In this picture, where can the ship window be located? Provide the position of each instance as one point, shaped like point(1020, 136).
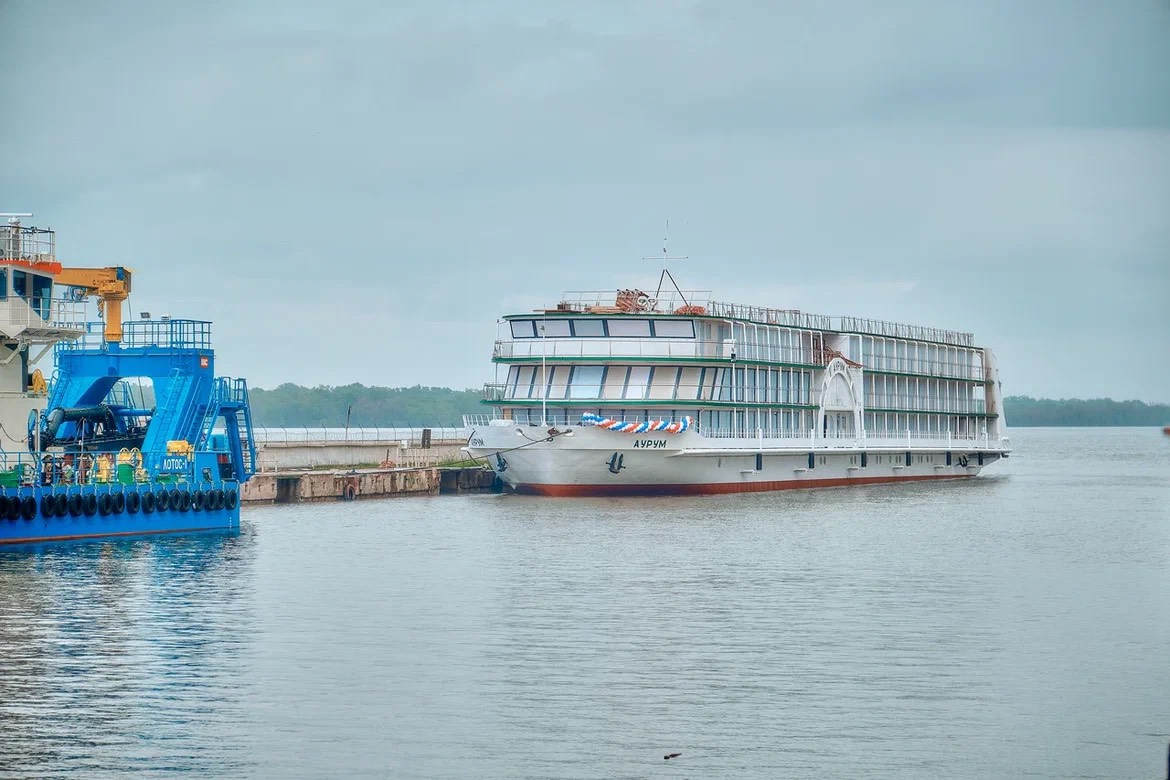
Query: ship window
point(665, 379)
point(523, 329)
point(3, 283)
point(589, 328)
point(688, 383)
point(558, 381)
point(684, 329)
point(586, 382)
point(615, 381)
point(20, 283)
point(553, 328)
point(42, 292)
point(636, 384)
point(629, 328)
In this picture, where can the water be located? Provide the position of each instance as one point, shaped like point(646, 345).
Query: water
point(1011, 626)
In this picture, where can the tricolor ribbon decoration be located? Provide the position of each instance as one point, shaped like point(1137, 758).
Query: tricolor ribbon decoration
point(649, 426)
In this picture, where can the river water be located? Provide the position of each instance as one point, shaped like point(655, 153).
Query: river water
point(1016, 625)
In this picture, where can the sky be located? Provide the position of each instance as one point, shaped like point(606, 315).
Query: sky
point(356, 191)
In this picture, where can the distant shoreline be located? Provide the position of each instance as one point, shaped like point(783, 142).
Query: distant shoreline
point(1025, 412)
point(359, 405)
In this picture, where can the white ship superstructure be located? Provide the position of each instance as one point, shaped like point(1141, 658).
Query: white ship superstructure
point(630, 394)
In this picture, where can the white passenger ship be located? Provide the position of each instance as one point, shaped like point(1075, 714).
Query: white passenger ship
point(632, 394)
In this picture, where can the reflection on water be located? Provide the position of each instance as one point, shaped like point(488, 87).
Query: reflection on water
point(123, 655)
point(1008, 626)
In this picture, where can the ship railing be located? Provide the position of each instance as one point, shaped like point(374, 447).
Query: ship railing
point(669, 393)
point(636, 347)
point(762, 314)
point(172, 333)
point(765, 438)
point(901, 331)
point(31, 314)
point(25, 242)
point(918, 403)
point(632, 301)
point(494, 391)
point(397, 436)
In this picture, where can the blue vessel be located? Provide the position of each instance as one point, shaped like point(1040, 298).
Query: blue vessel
point(134, 434)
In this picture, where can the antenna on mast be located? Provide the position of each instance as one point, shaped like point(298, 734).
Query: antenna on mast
point(665, 271)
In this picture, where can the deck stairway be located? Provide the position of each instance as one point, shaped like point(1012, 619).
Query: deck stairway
point(229, 400)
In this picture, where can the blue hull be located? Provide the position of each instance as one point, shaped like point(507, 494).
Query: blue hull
point(91, 523)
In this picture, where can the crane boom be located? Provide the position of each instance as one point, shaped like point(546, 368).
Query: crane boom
point(111, 286)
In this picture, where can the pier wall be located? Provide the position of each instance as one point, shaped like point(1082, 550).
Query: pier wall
point(289, 455)
point(290, 487)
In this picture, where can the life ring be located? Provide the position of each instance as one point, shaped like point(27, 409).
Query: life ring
point(133, 502)
point(75, 505)
point(119, 503)
point(350, 493)
point(28, 508)
point(60, 504)
point(231, 498)
point(147, 502)
point(89, 504)
point(162, 500)
point(105, 504)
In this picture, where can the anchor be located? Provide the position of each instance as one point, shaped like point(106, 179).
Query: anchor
point(615, 463)
point(501, 464)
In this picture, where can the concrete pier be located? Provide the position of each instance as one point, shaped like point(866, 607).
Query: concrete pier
point(289, 487)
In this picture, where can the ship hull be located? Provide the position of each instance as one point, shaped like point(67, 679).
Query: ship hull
point(592, 462)
point(41, 527)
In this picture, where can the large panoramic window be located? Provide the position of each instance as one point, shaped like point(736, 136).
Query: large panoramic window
point(629, 328)
point(552, 329)
point(3, 283)
point(674, 329)
point(586, 382)
point(589, 328)
point(523, 329)
point(20, 283)
point(637, 382)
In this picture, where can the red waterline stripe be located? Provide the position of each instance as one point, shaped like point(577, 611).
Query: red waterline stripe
point(709, 488)
point(35, 539)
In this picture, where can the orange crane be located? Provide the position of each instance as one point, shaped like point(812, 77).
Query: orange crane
point(111, 286)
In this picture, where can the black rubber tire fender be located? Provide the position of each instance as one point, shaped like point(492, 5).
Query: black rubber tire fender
point(89, 504)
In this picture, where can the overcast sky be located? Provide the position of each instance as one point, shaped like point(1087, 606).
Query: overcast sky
point(354, 192)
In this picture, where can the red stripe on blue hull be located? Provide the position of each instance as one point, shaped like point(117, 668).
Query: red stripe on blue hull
point(709, 488)
point(75, 537)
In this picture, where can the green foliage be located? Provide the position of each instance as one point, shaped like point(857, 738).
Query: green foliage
point(1023, 411)
point(293, 405)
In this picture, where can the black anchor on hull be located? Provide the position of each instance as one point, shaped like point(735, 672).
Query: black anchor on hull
point(501, 464)
point(615, 463)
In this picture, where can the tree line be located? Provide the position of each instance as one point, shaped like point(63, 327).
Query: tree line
point(295, 406)
point(1024, 411)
